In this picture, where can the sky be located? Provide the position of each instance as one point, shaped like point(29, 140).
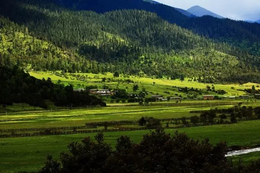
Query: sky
point(233, 9)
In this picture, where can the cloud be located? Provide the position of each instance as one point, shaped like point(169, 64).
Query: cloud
point(234, 9)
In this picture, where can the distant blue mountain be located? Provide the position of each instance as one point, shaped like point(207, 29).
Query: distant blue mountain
point(200, 11)
point(251, 21)
point(184, 12)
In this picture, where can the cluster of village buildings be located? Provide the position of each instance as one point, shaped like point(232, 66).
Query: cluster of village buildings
point(107, 92)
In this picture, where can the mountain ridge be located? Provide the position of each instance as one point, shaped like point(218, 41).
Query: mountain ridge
point(102, 6)
point(185, 12)
point(239, 34)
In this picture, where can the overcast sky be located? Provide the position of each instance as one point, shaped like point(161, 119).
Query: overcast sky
point(234, 9)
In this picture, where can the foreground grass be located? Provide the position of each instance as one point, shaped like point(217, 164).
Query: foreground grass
point(30, 153)
point(246, 159)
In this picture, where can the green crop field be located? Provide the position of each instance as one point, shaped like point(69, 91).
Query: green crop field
point(114, 112)
point(29, 153)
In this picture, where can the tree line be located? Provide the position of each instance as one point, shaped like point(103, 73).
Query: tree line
point(19, 87)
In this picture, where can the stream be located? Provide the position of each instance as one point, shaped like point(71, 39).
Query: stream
point(241, 152)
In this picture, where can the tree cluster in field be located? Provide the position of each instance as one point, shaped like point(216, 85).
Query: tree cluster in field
point(253, 90)
point(19, 87)
point(149, 122)
point(157, 152)
point(238, 113)
point(124, 41)
point(194, 92)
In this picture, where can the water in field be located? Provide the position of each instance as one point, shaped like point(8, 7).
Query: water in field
point(241, 152)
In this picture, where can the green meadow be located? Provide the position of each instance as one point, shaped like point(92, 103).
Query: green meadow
point(29, 153)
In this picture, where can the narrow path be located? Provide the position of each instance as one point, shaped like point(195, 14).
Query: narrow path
point(242, 152)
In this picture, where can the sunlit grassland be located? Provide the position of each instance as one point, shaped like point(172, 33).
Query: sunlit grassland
point(161, 85)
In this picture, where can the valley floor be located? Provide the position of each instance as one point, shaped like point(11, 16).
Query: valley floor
point(19, 152)
point(29, 153)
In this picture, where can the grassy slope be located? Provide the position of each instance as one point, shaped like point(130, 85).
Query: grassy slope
point(26, 48)
point(29, 153)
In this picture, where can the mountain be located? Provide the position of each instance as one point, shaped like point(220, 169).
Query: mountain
point(250, 21)
point(184, 12)
point(243, 35)
point(200, 11)
point(125, 41)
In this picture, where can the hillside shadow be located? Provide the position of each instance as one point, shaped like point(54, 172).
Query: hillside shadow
point(18, 13)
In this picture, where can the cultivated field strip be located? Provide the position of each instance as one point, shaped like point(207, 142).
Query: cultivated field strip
point(170, 110)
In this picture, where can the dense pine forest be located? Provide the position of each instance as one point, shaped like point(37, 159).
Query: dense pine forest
point(40, 35)
point(237, 33)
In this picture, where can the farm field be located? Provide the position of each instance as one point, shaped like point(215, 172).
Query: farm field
point(29, 153)
point(113, 112)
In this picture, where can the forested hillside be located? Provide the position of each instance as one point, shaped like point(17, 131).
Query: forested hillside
point(243, 35)
point(48, 37)
point(19, 47)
